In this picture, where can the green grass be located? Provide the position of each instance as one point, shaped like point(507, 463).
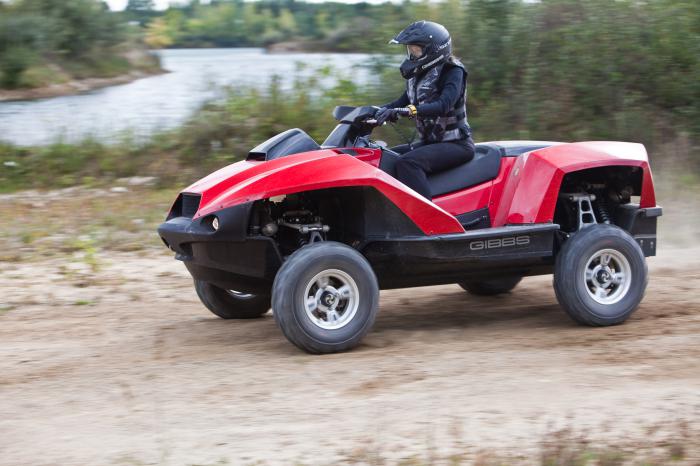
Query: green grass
point(82, 302)
point(81, 223)
point(559, 448)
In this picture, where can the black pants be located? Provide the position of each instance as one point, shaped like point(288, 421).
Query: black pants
point(425, 159)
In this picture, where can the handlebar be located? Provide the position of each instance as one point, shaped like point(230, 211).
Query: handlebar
point(402, 112)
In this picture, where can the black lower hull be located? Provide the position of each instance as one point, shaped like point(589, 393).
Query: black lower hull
point(433, 260)
point(251, 263)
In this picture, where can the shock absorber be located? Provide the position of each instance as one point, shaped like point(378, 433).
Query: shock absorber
point(602, 208)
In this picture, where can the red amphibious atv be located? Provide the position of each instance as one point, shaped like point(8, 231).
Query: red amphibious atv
point(316, 231)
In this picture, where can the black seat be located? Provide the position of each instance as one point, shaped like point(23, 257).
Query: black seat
point(516, 148)
point(483, 167)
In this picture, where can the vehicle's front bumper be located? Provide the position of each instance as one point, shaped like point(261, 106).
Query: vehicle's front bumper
point(228, 257)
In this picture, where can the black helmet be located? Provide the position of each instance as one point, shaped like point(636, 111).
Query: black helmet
point(435, 43)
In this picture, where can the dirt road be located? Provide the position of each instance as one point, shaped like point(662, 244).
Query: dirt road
point(115, 362)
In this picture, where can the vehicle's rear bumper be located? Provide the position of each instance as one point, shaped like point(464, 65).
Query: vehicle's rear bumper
point(641, 224)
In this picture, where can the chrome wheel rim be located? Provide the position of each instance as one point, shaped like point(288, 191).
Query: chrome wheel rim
point(607, 276)
point(331, 299)
point(239, 295)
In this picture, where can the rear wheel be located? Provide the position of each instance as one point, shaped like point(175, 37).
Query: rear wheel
point(600, 276)
point(491, 287)
point(325, 297)
point(230, 304)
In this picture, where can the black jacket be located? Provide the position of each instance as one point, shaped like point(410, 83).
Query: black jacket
point(452, 86)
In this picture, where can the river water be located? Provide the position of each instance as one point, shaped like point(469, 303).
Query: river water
point(163, 101)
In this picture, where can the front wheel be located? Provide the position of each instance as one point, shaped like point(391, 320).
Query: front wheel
point(600, 276)
point(230, 304)
point(325, 297)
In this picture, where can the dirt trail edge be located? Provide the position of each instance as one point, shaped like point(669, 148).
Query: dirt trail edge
point(116, 362)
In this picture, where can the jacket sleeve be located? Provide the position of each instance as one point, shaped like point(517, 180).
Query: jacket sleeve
point(451, 89)
point(398, 103)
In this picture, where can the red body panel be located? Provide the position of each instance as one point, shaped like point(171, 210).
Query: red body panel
point(525, 190)
point(322, 169)
point(530, 193)
point(499, 183)
point(468, 200)
point(370, 156)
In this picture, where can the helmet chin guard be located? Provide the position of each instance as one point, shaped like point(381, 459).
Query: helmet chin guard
point(435, 41)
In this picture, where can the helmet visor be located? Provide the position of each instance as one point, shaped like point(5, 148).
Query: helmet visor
point(414, 52)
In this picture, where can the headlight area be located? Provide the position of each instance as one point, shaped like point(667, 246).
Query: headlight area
point(219, 247)
point(212, 222)
point(229, 224)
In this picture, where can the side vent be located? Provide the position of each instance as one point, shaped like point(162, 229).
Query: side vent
point(186, 205)
point(190, 204)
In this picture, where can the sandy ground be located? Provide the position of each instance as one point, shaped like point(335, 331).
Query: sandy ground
point(121, 365)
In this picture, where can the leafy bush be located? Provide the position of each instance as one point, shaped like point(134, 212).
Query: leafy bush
point(74, 38)
point(13, 62)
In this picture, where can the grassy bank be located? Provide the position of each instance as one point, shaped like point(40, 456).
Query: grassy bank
point(220, 132)
point(79, 223)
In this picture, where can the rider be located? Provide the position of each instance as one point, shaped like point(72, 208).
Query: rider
point(436, 97)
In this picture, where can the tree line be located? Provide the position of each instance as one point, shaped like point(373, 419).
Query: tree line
point(563, 67)
point(46, 41)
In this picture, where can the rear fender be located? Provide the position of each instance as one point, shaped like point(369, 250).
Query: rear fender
point(531, 191)
point(319, 170)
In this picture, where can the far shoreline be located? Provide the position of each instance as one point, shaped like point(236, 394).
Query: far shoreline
point(82, 86)
point(75, 86)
